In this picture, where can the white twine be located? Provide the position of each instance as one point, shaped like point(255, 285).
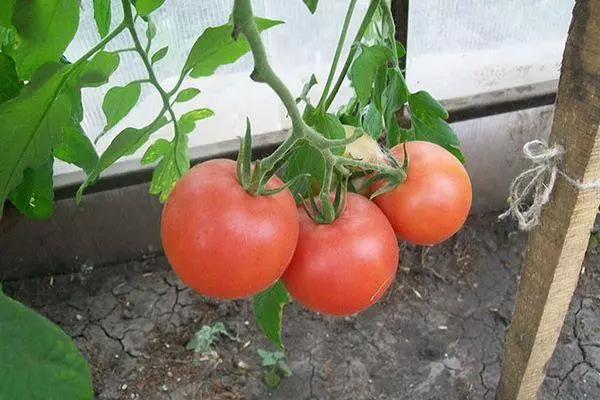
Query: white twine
point(538, 181)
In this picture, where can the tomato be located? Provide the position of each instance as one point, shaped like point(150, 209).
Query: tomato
point(343, 267)
point(223, 242)
point(434, 201)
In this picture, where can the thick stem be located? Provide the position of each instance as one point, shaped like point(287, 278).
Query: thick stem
point(338, 52)
point(359, 34)
point(128, 20)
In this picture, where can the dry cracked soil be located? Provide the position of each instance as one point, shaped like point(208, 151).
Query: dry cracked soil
point(437, 334)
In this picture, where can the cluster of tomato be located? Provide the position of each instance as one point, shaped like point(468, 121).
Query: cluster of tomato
point(225, 243)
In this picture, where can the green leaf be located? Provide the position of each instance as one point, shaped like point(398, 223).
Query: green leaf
point(102, 16)
point(216, 47)
point(311, 5)
point(6, 12)
point(364, 69)
point(306, 88)
point(145, 7)
point(119, 101)
point(187, 122)
point(427, 123)
point(372, 121)
point(150, 31)
point(395, 95)
point(186, 95)
point(268, 311)
point(125, 143)
point(97, 72)
point(159, 55)
point(173, 165)
point(272, 379)
point(400, 50)
point(76, 148)
point(348, 113)
point(31, 125)
point(45, 29)
point(39, 361)
point(34, 195)
point(329, 126)
point(379, 87)
point(10, 84)
point(285, 368)
point(306, 159)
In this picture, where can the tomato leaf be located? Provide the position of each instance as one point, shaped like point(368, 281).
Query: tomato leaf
point(306, 88)
point(174, 162)
point(97, 72)
point(159, 55)
point(76, 148)
point(31, 125)
point(216, 47)
point(6, 12)
point(306, 159)
point(34, 195)
point(187, 122)
point(45, 29)
point(119, 101)
point(395, 95)
point(102, 16)
point(427, 123)
point(10, 84)
point(311, 5)
point(186, 95)
point(35, 350)
point(329, 126)
point(372, 121)
point(150, 31)
point(379, 87)
point(268, 311)
point(364, 69)
point(145, 7)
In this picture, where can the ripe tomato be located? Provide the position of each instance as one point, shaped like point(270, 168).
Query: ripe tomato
point(343, 267)
point(434, 201)
point(222, 241)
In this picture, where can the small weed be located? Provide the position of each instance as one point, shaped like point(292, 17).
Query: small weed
point(204, 339)
point(277, 367)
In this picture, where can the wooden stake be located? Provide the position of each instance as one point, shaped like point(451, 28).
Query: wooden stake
point(557, 246)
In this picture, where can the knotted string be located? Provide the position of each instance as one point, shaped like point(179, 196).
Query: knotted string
point(538, 181)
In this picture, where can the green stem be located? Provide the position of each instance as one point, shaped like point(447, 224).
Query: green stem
point(338, 52)
point(128, 20)
point(359, 34)
point(387, 14)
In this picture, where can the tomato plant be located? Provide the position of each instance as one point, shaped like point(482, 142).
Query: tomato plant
point(230, 229)
point(433, 202)
point(343, 267)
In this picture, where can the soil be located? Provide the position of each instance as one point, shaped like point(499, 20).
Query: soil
point(437, 334)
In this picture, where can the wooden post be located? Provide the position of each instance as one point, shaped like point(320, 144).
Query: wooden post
point(557, 246)
point(400, 14)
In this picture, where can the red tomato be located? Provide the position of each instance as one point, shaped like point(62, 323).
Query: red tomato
point(343, 267)
point(222, 241)
point(434, 201)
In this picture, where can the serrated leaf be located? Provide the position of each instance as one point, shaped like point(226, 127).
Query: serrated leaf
point(329, 126)
point(35, 350)
point(31, 125)
point(10, 84)
point(186, 95)
point(98, 70)
point(145, 7)
point(311, 5)
point(119, 101)
point(35, 194)
point(364, 69)
point(372, 121)
point(187, 122)
point(173, 165)
point(159, 55)
point(45, 29)
point(102, 16)
point(125, 143)
point(306, 159)
point(76, 148)
point(306, 88)
point(268, 311)
point(427, 123)
point(6, 12)
point(216, 47)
